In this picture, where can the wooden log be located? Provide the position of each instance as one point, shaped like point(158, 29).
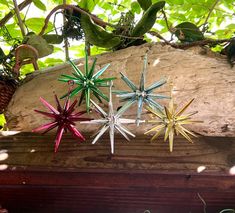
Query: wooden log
point(140, 176)
point(207, 78)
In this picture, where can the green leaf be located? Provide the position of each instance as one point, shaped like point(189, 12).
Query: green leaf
point(2, 121)
point(53, 38)
point(188, 32)
point(36, 24)
point(53, 61)
point(105, 5)
point(135, 7)
point(174, 2)
point(148, 19)
point(13, 30)
point(58, 49)
point(41, 64)
point(58, 1)
point(9, 4)
point(88, 4)
point(97, 50)
point(39, 4)
point(217, 48)
point(230, 26)
point(98, 36)
point(145, 4)
point(26, 69)
point(2, 55)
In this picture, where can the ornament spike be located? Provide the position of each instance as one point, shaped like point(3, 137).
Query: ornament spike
point(58, 137)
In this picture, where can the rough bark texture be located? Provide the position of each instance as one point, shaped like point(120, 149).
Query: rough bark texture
point(194, 74)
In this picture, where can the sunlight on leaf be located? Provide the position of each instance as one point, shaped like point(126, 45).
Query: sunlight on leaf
point(40, 5)
point(36, 24)
point(2, 121)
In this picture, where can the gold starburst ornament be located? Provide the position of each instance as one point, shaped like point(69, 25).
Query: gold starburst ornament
point(171, 122)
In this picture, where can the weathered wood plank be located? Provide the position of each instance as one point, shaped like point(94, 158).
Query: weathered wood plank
point(30, 151)
point(95, 200)
point(140, 176)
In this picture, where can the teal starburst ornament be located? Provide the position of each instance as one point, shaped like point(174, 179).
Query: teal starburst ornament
point(141, 94)
point(87, 82)
point(111, 121)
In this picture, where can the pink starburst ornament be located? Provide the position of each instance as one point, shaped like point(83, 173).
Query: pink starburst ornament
point(63, 118)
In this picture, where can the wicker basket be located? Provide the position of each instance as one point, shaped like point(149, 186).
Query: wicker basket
point(7, 89)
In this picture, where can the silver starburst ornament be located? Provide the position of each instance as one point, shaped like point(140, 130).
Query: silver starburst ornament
point(111, 121)
point(140, 94)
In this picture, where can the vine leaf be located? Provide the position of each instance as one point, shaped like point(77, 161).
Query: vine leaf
point(88, 4)
point(96, 35)
point(148, 19)
point(135, 7)
point(40, 5)
point(188, 32)
point(145, 4)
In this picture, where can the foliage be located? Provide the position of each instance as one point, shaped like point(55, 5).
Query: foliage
point(2, 121)
point(202, 18)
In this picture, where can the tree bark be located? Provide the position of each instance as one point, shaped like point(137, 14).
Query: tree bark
point(194, 73)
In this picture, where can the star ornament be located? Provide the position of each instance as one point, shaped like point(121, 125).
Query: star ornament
point(63, 118)
point(141, 94)
point(87, 82)
point(171, 122)
point(111, 121)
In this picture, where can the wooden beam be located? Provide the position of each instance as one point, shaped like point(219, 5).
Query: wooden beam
point(140, 176)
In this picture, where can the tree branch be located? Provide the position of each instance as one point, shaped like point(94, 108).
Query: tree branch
point(156, 34)
point(66, 6)
point(167, 24)
point(200, 43)
point(191, 44)
point(208, 16)
point(17, 11)
point(11, 14)
point(66, 43)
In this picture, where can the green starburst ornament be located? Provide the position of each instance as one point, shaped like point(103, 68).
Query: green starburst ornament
point(171, 122)
point(141, 94)
point(87, 82)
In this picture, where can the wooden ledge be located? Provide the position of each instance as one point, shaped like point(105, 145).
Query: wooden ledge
point(140, 176)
